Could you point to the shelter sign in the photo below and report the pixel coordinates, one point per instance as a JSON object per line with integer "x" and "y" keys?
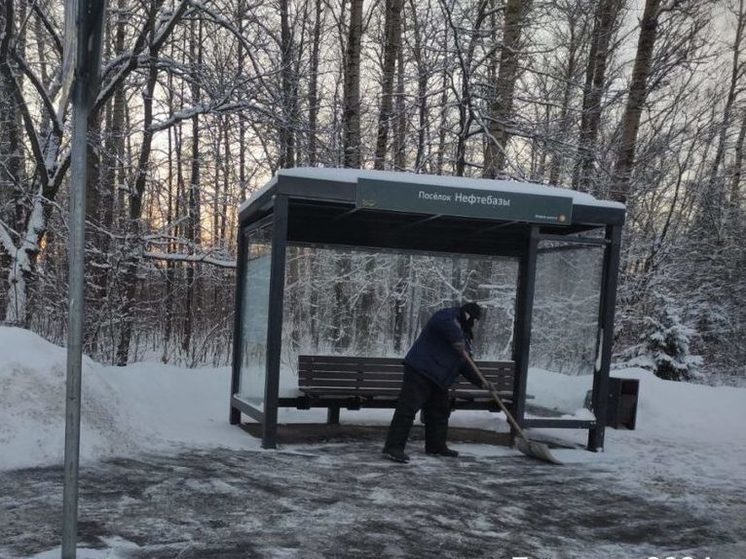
{"x": 463, "y": 202}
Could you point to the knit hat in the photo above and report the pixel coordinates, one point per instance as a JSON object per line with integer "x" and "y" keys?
{"x": 474, "y": 310}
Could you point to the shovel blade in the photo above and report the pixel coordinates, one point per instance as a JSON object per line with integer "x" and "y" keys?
{"x": 536, "y": 450}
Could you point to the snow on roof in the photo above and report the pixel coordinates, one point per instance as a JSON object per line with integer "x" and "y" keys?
{"x": 352, "y": 176}
{"x": 256, "y": 194}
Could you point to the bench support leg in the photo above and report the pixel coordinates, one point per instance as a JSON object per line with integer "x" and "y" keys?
{"x": 332, "y": 416}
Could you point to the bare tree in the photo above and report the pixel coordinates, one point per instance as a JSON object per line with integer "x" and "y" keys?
{"x": 313, "y": 95}
{"x": 501, "y": 107}
{"x": 351, "y": 114}
{"x": 391, "y": 49}
{"x": 714, "y": 195}
{"x": 606, "y": 20}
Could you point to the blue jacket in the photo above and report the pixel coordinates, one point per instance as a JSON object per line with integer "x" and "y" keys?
{"x": 433, "y": 354}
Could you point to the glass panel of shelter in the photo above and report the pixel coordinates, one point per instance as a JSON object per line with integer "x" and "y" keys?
{"x": 373, "y": 303}
{"x": 254, "y": 316}
{"x": 564, "y": 330}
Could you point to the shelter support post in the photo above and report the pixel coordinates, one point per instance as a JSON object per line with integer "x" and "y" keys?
{"x": 235, "y": 413}
{"x": 524, "y": 306}
{"x": 605, "y": 337}
{"x": 274, "y": 327}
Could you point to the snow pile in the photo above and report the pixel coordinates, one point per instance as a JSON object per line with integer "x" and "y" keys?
{"x": 151, "y": 406}
{"x": 680, "y": 411}
{"x": 142, "y": 407}
{"x": 685, "y": 433}
{"x": 564, "y": 393}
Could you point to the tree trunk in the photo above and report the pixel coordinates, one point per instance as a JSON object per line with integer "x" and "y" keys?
{"x": 440, "y": 159}
{"x": 422, "y": 84}
{"x": 102, "y": 195}
{"x": 637, "y": 94}
{"x": 287, "y": 140}
{"x": 606, "y": 18}
{"x": 193, "y": 205}
{"x": 241, "y": 122}
{"x": 464, "y": 119}
{"x": 555, "y": 167}
{"x": 465, "y": 110}
{"x": 313, "y": 96}
{"x": 169, "y": 303}
{"x": 713, "y": 197}
{"x": 13, "y": 183}
{"x": 342, "y": 313}
{"x": 735, "y": 185}
{"x": 399, "y": 146}
{"x": 227, "y": 181}
{"x": 351, "y": 114}
{"x": 392, "y": 45}
{"x": 501, "y": 110}
{"x": 136, "y": 205}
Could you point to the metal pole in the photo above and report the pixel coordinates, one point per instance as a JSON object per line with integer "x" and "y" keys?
{"x": 75, "y": 329}
{"x": 88, "y": 25}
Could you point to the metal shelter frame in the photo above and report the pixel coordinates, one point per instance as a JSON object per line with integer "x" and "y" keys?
{"x": 382, "y": 210}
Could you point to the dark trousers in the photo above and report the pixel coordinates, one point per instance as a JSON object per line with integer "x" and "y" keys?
{"x": 419, "y": 393}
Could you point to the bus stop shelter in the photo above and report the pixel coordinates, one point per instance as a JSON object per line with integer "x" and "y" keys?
{"x": 409, "y": 212}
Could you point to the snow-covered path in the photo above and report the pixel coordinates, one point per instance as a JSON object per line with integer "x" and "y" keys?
{"x": 342, "y": 500}
{"x": 164, "y": 475}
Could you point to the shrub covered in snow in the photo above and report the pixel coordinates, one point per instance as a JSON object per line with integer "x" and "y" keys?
{"x": 665, "y": 342}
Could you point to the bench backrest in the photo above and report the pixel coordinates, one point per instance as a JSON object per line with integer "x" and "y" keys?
{"x": 381, "y": 374}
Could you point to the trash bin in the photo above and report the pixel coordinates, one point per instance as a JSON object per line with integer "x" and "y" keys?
{"x": 622, "y": 404}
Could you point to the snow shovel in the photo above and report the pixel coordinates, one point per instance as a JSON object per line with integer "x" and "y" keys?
{"x": 533, "y": 449}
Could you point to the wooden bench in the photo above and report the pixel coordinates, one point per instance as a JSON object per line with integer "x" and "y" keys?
{"x": 338, "y": 382}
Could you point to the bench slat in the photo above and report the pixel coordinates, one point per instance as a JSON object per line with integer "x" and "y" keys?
{"x": 494, "y": 376}
{"x": 394, "y": 383}
{"x": 351, "y": 377}
{"x": 386, "y": 375}
{"x": 393, "y": 393}
{"x": 366, "y": 378}
{"x": 315, "y": 359}
{"x": 394, "y": 367}
{"x": 359, "y": 391}
{"x": 312, "y": 362}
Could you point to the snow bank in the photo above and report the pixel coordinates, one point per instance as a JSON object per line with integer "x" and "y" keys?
{"x": 141, "y": 407}
{"x": 688, "y": 412}
{"x": 563, "y": 393}
{"x": 676, "y": 411}
{"x": 683, "y": 431}
{"x": 151, "y": 406}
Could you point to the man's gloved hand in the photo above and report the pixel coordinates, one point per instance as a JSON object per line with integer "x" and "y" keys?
{"x": 489, "y": 386}
{"x": 469, "y": 346}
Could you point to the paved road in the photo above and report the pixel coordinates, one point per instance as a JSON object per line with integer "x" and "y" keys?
{"x": 339, "y": 499}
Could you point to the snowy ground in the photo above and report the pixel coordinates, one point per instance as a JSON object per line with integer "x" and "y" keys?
{"x": 165, "y": 476}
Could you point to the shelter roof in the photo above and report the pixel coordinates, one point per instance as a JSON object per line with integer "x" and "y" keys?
{"x": 345, "y": 180}
{"x": 395, "y": 210}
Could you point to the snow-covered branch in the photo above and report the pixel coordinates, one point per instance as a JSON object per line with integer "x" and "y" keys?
{"x": 43, "y": 94}
{"x": 161, "y": 35}
{"x": 205, "y": 258}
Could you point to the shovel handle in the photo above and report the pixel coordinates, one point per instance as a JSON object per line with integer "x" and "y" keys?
{"x": 495, "y": 395}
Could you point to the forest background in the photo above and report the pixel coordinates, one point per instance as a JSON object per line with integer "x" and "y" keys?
{"x": 201, "y": 101}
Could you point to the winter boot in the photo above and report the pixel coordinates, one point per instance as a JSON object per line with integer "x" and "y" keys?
{"x": 443, "y": 451}
{"x": 395, "y": 455}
